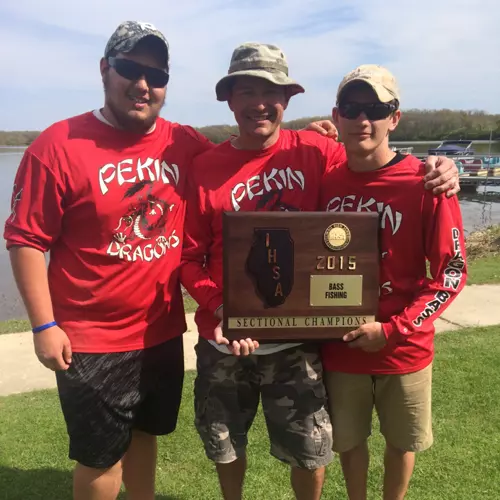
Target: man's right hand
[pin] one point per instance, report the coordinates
(244, 347)
(53, 348)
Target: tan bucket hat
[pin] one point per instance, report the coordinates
(380, 79)
(262, 61)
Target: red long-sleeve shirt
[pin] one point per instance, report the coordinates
(416, 226)
(109, 205)
(285, 176)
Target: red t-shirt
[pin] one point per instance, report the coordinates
(285, 176)
(110, 207)
(416, 226)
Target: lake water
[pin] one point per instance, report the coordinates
(479, 209)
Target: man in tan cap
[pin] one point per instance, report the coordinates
(271, 169)
(387, 364)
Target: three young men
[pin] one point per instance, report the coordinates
(104, 193)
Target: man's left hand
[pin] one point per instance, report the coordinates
(369, 337)
(441, 176)
(324, 127)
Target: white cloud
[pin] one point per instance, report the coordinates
(445, 54)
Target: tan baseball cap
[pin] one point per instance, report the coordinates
(380, 79)
(262, 61)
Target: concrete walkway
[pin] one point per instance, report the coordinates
(20, 370)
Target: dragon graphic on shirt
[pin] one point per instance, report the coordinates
(146, 214)
(271, 202)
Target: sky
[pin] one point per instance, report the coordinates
(445, 54)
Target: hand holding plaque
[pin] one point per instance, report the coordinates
(299, 275)
(242, 347)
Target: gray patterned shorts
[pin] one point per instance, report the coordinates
(104, 397)
(290, 383)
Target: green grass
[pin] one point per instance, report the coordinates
(480, 270)
(483, 256)
(463, 464)
(484, 270)
(14, 326)
(22, 325)
(190, 305)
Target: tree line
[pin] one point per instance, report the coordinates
(17, 138)
(416, 125)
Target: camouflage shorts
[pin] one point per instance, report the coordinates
(290, 383)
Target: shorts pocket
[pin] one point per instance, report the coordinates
(322, 432)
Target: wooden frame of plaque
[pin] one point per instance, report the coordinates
(299, 275)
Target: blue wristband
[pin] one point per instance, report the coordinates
(41, 328)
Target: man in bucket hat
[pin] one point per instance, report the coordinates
(271, 169)
(260, 61)
(248, 172)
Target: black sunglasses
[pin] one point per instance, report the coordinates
(373, 111)
(131, 70)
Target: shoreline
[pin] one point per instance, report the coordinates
(399, 141)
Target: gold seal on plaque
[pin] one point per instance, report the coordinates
(337, 236)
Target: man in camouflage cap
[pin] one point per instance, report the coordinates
(129, 33)
(103, 192)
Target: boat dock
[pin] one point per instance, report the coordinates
(476, 170)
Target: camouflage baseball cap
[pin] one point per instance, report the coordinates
(129, 33)
(262, 61)
(380, 79)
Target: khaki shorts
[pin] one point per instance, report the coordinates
(403, 404)
(290, 383)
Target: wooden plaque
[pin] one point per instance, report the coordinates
(299, 275)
